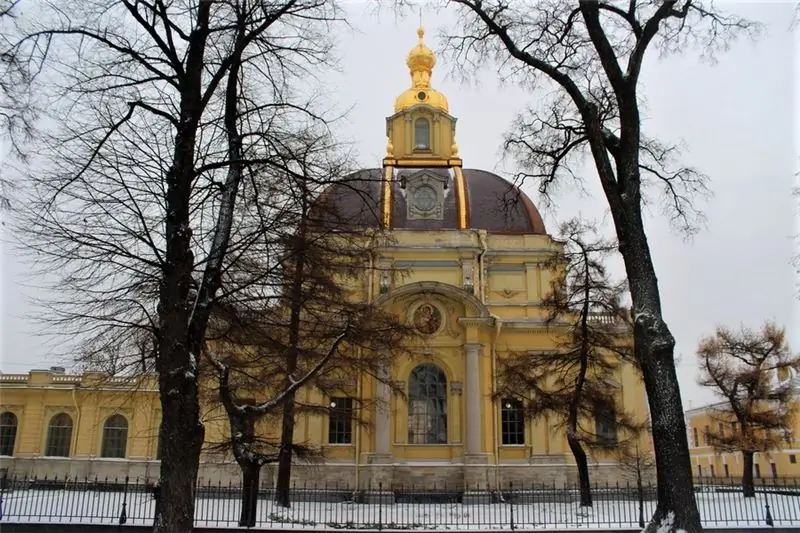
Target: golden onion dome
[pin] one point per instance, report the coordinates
(421, 61)
(421, 57)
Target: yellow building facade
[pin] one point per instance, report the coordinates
(467, 264)
(706, 462)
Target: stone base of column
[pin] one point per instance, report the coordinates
(379, 475)
(380, 459)
(476, 479)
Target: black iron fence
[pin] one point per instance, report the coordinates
(514, 506)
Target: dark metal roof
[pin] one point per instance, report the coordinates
(493, 204)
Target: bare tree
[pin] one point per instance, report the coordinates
(166, 116)
(576, 383)
(754, 372)
(17, 69)
(308, 323)
(637, 464)
(589, 58)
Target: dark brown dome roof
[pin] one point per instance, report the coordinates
(492, 203)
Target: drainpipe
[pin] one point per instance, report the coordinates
(498, 326)
(481, 234)
(77, 414)
(357, 443)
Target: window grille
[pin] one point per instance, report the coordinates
(512, 422)
(427, 409)
(8, 433)
(115, 437)
(59, 436)
(340, 421)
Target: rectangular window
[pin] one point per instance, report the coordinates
(512, 420)
(705, 436)
(605, 424)
(774, 469)
(340, 421)
(727, 473)
(695, 440)
(758, 470)
(720, 429)
(711, 469)
(793, 459)
(699, 471)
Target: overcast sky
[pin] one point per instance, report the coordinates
(738, 119)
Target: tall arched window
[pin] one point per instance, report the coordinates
(59, 436)
(427, 405)
(115, 437)
(8, 433)
(422, 134)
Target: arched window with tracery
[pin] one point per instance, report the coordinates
(422, 134)
(59, 436)
(427, 405)
(8, 433)
(115, 437)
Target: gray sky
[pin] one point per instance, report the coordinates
(738, 120)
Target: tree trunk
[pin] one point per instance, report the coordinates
(251, 475)
(654, 348)
(285, 454)
(673, 466)
(181, 331)
(583, 470)
(181, 443)
(748, 486)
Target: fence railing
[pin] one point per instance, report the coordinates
(514, 506)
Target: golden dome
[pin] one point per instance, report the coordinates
(421, 58)
(420, 61)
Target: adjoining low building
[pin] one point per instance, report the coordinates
(709, 463)
(476, 263)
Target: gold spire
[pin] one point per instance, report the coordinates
(421, 61)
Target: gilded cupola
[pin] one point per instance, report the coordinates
(421, 131)
(421, 61)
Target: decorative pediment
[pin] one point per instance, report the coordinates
(424, 195)
(423, 177)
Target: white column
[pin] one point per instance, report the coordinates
(382, 408)
(472, 399)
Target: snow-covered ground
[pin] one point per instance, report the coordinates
(716, 509)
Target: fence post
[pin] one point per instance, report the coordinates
(768, 518)
(3, 485)
(157, 497)
(123, 516)
(380, 506)
(511, 504)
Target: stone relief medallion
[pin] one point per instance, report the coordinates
(427, 319)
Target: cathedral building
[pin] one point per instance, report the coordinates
(475, 258)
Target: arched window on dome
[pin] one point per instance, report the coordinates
(427, 405)
(422, 134)
(115, 437)
(8, 433)
(59, 436)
